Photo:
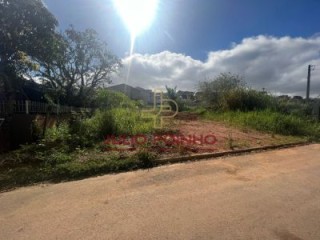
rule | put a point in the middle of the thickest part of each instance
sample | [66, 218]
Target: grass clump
[87, 133]
[72, 150]
[76, 166]
[268, 121]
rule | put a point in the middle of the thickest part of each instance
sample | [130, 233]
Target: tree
[26, 30]
[82, 64]
[213, 91]
[172, 94]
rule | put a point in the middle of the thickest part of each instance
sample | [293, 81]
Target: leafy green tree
[214, 91]
[230, 92]
[81, 65]
[172, 94]
[26, 30]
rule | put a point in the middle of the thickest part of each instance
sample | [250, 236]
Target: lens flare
[138, 15]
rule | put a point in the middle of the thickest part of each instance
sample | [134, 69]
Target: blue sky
[194, 32]
[194, 27]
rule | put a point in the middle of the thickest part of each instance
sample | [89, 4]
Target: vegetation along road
[269, 195]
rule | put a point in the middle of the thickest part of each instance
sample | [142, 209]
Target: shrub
[269, 121]
[58, 133]
[106, 99]
[213, 91]
[247, 100]
[145, 158]
[130, 122]
[294, 107]
[88, 132]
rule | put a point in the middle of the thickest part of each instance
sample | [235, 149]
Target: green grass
[74, 150]
[268, 121]
[130, 122]
[66, 166]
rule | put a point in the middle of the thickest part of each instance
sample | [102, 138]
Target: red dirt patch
[187, 134]
[228, 138]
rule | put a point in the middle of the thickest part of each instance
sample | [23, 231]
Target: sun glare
[138, 15]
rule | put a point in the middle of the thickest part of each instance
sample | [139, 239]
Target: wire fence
[30, 107]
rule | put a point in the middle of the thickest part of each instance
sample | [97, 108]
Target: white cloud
[277, 64]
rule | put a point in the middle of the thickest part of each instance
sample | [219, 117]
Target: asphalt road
[270, 195]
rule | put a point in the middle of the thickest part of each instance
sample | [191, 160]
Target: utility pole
[310, 68]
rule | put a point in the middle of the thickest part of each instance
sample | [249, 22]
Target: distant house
[186, 95]
[133, 93]
[284, 97]
[299, 98]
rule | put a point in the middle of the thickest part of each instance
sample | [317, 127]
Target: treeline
[229, 92]
[228, 98]
[70, 65]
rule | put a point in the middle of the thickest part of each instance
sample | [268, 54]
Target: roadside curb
[197, 157]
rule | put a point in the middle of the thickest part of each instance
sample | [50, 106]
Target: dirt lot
[188, 134]
[229, 138]
[201, 136]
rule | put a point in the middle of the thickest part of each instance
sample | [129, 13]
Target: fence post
[27, 107]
